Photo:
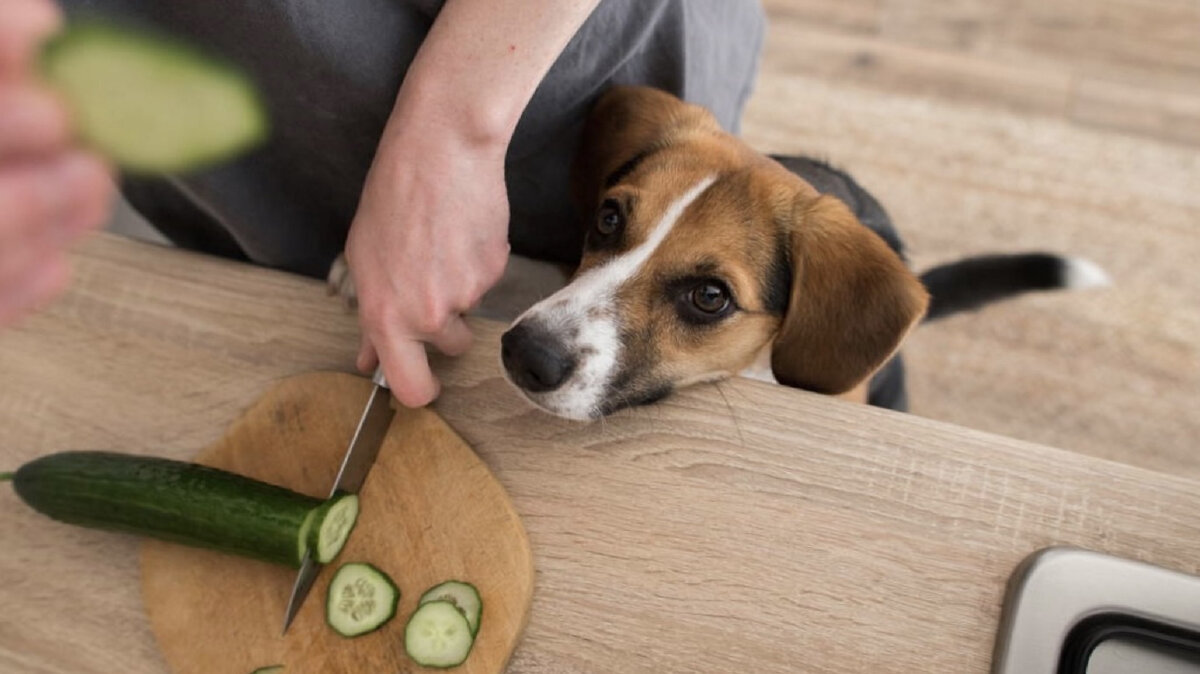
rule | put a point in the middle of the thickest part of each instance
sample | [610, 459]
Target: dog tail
[973, 282]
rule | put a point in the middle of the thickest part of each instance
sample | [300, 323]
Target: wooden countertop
[732, 528]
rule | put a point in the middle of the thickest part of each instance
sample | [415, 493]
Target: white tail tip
[1083, 273]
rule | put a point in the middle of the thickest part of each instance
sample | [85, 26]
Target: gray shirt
[330, 72]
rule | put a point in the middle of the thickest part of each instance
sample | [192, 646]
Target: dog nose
[536, 361]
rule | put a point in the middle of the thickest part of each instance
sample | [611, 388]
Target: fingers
[48, 195]
[24, 24]
[51, 202]
[455, 339]
[406, 364]
[367, 358]
[32, 122]
[44, 207]
[408, 373]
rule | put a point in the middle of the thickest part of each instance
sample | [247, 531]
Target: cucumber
[149, 103]
[464, 596]
[438, 635]
[180, 502]
[270, 669]
[361, 599]
[337, 518]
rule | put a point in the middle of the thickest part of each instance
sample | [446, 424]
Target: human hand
[50, 192]
[430, 235]
[428, 240]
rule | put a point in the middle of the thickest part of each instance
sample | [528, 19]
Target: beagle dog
[705, 259]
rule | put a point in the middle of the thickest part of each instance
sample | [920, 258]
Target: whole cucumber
[169, 500]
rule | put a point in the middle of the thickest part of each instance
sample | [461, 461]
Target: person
[424, 137]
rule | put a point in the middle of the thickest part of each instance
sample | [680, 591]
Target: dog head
[702, 258]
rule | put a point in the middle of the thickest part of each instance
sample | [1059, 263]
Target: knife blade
[360, 456]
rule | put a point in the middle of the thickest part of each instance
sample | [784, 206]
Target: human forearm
[482, 62]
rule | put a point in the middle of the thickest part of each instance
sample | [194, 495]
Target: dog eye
[609, 220]
[710, 297]
[702, 301]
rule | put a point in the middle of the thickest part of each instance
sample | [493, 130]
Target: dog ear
[626, 125]
[852, 300]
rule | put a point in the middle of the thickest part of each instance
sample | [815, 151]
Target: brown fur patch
[853, 301]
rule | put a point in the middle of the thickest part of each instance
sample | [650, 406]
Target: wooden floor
[1003, 125]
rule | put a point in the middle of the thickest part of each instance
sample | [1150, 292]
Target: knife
[360, 456]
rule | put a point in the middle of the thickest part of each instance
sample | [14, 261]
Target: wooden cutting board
[431, 511]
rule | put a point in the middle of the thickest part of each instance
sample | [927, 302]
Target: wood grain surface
[430, 512]
[739, 527]
[1124, 66]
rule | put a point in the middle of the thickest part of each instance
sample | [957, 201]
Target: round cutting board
[431, 511]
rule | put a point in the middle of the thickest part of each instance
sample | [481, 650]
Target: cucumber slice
[149, 103]
[361, 599]
[182, 502]
[332, 524]
[464, 596]
[6, 477]
[438, 635]
[270, 669]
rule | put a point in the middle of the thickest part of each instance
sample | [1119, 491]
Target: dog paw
[341, 282]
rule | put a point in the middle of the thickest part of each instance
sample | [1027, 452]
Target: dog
[705, 259]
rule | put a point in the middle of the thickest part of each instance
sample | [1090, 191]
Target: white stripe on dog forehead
[626, 265]
[597, 284]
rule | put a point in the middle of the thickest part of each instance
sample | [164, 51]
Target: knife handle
[379, 379]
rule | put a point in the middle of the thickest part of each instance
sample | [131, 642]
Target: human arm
[430, 235]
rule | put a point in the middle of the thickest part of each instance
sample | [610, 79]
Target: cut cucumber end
[149, 103]
[464, 596]
[269, 669]
[361, 599]
[438, 635]
[302, 539]
[333, 525]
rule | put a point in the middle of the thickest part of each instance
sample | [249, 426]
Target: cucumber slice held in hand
[464, 596]
[361, 599]
[438, 635]
[151, 104]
